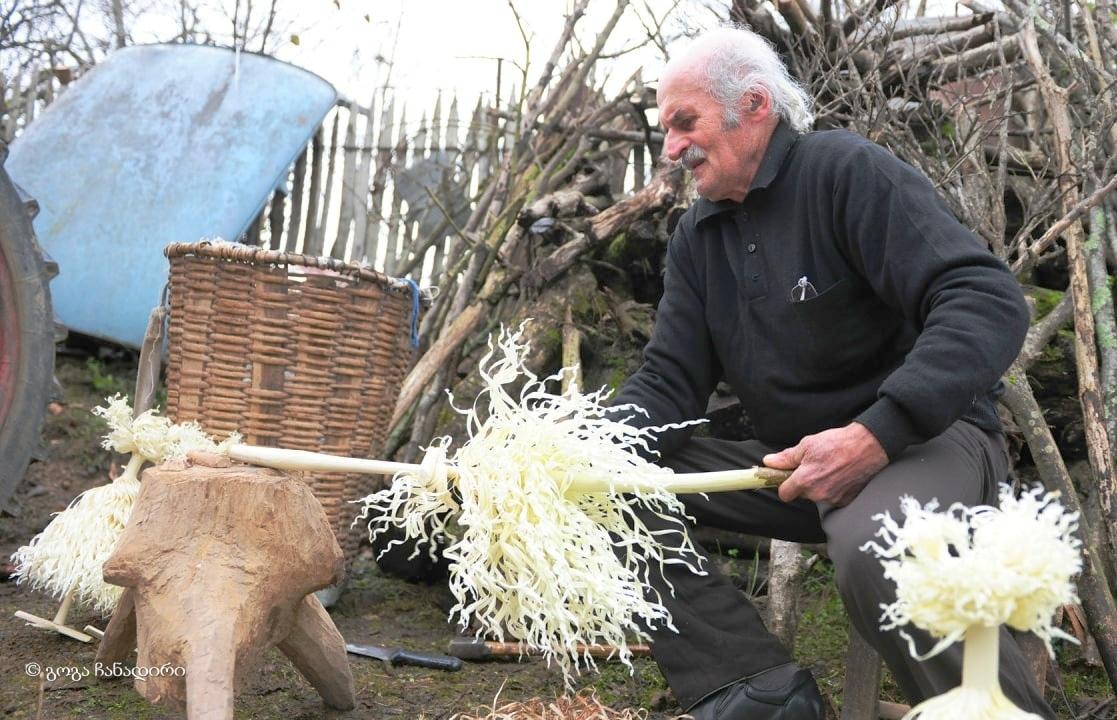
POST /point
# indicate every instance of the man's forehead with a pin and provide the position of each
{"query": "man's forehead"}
(677, 87)
(678, 97)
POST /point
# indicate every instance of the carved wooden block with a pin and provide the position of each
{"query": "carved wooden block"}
(220, 562)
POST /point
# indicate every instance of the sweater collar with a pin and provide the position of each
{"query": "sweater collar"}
(779, 146)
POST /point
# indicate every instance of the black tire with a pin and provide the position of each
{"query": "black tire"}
(26, 337)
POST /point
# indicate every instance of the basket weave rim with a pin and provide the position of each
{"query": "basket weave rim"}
(251, 255)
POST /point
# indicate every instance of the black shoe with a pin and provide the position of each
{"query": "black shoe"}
(786, 692)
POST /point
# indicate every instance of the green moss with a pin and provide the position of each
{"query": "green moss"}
(1045, 299)
(1085, 682)
(616, 378)
(615, 252)
(1107, 339)
(551, 339)
(586, 305)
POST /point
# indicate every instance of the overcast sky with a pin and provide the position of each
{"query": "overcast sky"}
(451, 45)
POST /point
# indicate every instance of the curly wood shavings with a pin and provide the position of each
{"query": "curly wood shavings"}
(530, 559)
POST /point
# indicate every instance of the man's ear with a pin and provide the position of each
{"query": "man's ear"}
(756, 101)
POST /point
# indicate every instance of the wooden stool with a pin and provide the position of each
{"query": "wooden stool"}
(861, 695)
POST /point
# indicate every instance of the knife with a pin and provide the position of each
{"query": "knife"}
(399, 656)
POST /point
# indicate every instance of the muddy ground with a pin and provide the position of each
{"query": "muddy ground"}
(373, 609)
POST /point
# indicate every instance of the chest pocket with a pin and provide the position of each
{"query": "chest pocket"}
(842, 334)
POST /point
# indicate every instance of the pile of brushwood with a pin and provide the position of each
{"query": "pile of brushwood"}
(1010, 111)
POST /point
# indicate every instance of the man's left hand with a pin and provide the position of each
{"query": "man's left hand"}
(831, 466)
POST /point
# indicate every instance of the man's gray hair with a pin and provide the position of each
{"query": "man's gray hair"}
(740, 61)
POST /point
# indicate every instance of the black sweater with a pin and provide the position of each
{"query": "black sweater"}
(913, 324)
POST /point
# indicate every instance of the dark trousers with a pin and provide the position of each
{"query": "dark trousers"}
(721, 636)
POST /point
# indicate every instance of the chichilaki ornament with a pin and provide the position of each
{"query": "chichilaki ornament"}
(65, 558)
(537, 513)
(962, 573)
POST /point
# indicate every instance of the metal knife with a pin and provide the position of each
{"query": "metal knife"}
(399, 656)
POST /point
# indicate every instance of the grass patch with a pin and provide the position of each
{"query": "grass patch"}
(618, 686)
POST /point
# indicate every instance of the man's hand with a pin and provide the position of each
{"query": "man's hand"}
(831, 466)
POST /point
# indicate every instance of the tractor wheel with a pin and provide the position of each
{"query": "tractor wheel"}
(26, 335)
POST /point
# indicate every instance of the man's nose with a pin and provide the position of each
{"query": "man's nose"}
(673, 146)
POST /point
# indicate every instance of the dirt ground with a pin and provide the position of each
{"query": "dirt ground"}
(373, 609)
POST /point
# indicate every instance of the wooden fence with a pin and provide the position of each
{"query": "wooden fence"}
(374, 185)
(373, 188)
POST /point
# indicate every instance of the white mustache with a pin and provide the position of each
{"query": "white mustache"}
(691, 157)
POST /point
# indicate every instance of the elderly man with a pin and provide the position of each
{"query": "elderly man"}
(865, 331)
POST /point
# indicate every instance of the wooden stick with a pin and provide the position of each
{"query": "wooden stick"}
(1028, 255)
(349, 152)
(64, 608)
(303, 460)
(689, 483)
(1093, 589)
(306, 461)
(1090, 394)
(571, 352)
(44, 624)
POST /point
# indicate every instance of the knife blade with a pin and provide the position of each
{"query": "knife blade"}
(399, 656)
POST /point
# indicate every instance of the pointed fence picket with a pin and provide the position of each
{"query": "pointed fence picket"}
(341, 196)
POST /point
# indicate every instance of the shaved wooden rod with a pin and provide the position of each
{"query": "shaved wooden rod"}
(679, 483)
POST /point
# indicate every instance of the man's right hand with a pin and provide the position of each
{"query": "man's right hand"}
(831, 466)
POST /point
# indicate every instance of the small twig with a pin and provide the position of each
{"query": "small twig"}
(1041, 333)
(1027, 258)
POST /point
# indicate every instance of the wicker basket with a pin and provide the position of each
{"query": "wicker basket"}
(291, 351)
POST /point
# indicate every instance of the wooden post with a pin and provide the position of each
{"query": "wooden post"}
(275, 219)
(13, 107)
(571, 353)
(785, 582)
(487, 144)
(392, 254)
(638, 166)
(379, 177)
(309, 245)
(360, 188)
(348, 179)
(297, 189)
(435, 154)
(860, 698)
(30, 96)
(319, 247)
(252, 237)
